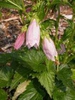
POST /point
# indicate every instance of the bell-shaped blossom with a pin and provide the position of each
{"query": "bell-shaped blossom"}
(33, 35)
(49, 48)
(19, 41)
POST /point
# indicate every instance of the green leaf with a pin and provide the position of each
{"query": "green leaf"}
(8, 5)
(47, 81)
(19, 2)
(73, 74)
(67, 33)
(5, 73)
(16, 80)
(21, 74)
(3, 95)
(33, 92)
(4, 58)
(58, 94)
(56, 2)
(0, 14)
(5, 76)
(65, 76)
(20, 89)
(35, 60)
(49, 23)
(14, 4)
(70, 94)
(63, 66)
(63, 95)
(64, 89)
(40, 11)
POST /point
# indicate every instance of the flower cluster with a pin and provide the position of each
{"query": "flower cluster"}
(32, 38)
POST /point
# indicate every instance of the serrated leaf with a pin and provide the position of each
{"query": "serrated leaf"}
(35, 60)
(5, 76)
(63, 95)
(33, 92)
(20, 89)
(20, 75)
(58, 94)
(3, 95)
(4, 58)
(16, 80)
(3, 83)
(47, 81)
(65, 76)
(70, 94)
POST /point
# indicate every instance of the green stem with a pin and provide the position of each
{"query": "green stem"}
(22, 15)
(57, 68)
(47, 64)
(57, 26)
(56, 36)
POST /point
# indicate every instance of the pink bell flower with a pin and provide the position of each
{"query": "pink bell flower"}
(33, 35)
(19, 41)
(49, 49)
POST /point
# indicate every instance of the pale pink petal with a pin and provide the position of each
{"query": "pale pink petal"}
(19, 41)
(49, 49)
(33, 35)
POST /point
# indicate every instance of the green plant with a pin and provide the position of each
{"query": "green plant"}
(27, 74)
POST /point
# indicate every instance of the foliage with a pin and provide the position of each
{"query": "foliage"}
(46, 79)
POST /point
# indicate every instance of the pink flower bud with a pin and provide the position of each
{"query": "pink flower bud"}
(49, 49)
(19, 41)
(28, 9)
(33, 35)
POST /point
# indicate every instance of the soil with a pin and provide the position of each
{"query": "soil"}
(10, 27)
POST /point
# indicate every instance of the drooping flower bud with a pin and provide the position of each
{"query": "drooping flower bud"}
(33, 35)
(49, 48)
(19, 41)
